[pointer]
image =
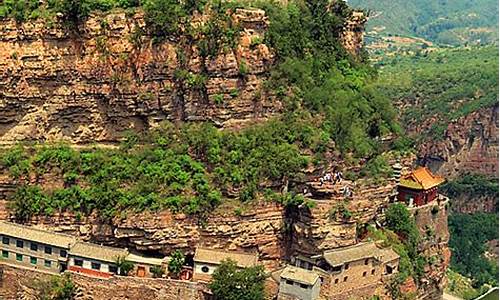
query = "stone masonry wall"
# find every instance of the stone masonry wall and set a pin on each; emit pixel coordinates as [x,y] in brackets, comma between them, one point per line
[17,283]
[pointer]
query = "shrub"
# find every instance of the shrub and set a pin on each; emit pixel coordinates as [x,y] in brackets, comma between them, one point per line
[157,271]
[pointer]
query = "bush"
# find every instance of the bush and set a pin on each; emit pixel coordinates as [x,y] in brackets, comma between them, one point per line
[157,271]
[58,288]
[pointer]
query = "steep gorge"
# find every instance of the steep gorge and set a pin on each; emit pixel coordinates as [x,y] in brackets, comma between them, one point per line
[95,87]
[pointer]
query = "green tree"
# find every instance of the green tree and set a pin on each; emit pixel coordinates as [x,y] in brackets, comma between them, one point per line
[176,262]
[124,266]
[230,283]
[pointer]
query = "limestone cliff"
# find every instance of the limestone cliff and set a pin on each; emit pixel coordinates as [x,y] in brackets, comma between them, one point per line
[92,87]
[470,144]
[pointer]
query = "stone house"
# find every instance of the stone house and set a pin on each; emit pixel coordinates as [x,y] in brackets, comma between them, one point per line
[357,267]
[207,260]
[94,260]
[35,248]
[300,284]
[144,266]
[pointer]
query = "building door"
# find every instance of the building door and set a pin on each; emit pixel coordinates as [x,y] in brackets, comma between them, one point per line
[141,271]
[63,266]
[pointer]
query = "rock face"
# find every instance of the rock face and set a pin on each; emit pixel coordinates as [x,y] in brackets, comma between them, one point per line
[470,144]
[432,221]
[91,88]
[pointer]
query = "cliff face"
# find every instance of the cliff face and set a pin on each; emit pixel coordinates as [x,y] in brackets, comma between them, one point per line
[432,221]
[108,79]
[470,144]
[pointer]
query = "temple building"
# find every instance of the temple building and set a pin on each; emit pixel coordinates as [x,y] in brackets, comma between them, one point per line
[419,187]
[298,283]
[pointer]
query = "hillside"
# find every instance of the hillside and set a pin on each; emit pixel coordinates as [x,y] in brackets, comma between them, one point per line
[443,22]
[448,99]
[171,126]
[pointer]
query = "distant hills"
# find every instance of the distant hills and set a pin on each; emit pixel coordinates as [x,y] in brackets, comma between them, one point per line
[451,22]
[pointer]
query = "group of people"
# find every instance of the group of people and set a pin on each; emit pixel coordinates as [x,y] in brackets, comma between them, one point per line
[337,177]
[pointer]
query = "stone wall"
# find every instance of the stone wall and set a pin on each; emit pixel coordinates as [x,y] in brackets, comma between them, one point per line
[17,283]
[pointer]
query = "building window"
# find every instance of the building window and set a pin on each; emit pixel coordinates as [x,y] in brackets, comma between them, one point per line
[113,269]
[366,261]
[364,274]
[289,282]
[19,257]
[304,286]
[79,262]
[337,269]
[33,246]
[346,266]
[47,263]
[5,254]
[19,244]
[95,266]
[204,269]
[345,279]
[33,260]
[63,253]
[5,240]
[336,280]
[48,250]
[373,272]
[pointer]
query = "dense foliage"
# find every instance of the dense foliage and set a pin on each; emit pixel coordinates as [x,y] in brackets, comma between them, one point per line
[468,235]
[443,85]
[231,283]
[401,222]
[447,22]
[471,184]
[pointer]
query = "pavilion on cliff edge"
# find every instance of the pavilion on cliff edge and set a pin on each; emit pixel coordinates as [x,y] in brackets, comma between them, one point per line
[419,187]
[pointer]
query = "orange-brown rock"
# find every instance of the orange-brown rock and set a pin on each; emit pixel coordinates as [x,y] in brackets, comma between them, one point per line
[470,144]
[93,86]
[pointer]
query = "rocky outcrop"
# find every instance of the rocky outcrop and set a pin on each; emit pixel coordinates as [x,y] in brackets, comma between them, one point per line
[432,221]
[470,144]
[91,87]
[332,222]
[94,85]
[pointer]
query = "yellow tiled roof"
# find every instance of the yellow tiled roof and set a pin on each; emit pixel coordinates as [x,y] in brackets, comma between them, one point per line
[97,252]
[212,256]
[36,235]
[421,179]
[299,275]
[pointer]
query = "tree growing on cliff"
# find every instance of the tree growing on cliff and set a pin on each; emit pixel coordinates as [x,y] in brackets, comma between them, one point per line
[231,283]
